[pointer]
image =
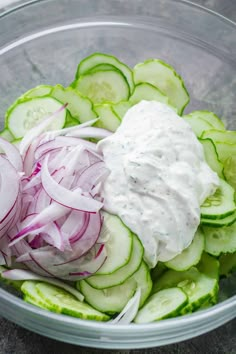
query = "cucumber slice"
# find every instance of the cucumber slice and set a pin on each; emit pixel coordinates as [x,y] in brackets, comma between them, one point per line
[164,304]
[211,156]
[26,114]
[102,67]
[38,91]
[121,108]
[111,300]
[32,296]
[197,124]
[227,264]
[198,287]
[103,86]
[118,246]
[165,78]
[7,135]
[88,63]
[158,271]
[220,204]
[119,276]
[208,117]
[225,150]
[230,170]
[220,136]
[209,266]
[145,91]
[80,108]
[190,256]
[220,240]
[14,283]
[60,301]
[227,221]
[107,117]
[114,299]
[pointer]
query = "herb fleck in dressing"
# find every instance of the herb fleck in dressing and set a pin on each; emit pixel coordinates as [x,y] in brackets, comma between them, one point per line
[158,180]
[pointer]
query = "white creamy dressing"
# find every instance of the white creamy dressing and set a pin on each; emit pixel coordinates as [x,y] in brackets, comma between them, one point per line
[158,179]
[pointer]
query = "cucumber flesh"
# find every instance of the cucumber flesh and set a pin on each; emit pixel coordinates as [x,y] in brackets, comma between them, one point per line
[118,246]
[164,304]
[108,119]
[209,266]
[60,301]
[111,300]
[211,156]
[119,276]
[121,108]
[208,117]
[31,295]
[26,114]
[225,150]
[220,204]
[198,287]
[190,256]
[227,221]
[220,136]
[165,78]
[103,86]
[143,281]
[220,240]
[197,124]
[227,264]
[80,108]
[7,135]
[158,271]
[148,92]
[90,62]
[38,91]
[230,170]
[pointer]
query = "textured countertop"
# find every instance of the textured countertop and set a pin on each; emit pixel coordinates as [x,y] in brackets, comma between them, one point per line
[14,339]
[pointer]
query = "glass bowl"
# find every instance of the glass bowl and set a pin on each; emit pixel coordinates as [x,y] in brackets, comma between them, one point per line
[41,42]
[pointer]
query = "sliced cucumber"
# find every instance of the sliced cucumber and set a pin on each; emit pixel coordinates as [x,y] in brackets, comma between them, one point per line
[165,78]
[190,256]
[121,108]
[119,276]
[118,246]
[227,221]
[80,108]
[199,287]
[220,136]
[108,119]
[158,271]
[197,124]
[26,114]
[227,264]
[111,300]
[38,91]
[220,240]
[32,296]
[7,135]
[209,117]
[164,304]
[225,150]
[15,283]
[220,204]
[230,170]
[209,266]
[60,301]
[211,156]
[145,91]
[92,61]
[103,86]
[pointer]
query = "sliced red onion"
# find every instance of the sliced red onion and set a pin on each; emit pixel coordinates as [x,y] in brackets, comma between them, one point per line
[90,132]
[130,310]
[12,154]
[61,195]
[20,274]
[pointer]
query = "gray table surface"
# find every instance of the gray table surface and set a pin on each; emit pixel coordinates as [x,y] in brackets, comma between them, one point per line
[14,339]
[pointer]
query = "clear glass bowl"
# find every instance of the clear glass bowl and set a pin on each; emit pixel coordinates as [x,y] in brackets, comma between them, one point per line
[42,42]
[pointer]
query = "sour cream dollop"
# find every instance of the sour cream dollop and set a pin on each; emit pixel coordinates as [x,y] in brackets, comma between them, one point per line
[158,179]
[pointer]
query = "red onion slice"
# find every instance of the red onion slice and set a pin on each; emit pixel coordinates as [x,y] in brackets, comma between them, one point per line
[12,154]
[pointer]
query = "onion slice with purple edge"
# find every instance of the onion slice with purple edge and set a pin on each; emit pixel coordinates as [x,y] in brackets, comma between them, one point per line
[20,274]
[12,154]
[65,197]
[130,310]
